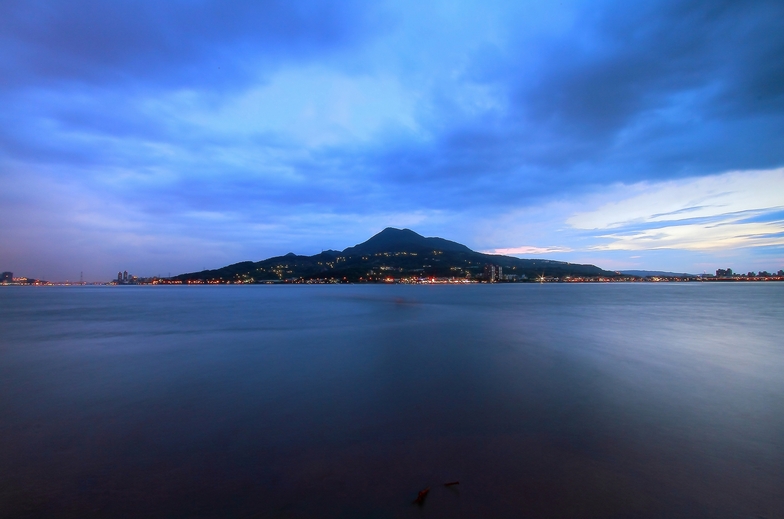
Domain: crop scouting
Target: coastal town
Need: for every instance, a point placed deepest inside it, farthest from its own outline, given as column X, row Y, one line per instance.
column 402, row 256
column 490, row 274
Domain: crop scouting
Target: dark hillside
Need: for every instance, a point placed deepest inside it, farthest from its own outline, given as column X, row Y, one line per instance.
column 396, row 254
column 403, row 240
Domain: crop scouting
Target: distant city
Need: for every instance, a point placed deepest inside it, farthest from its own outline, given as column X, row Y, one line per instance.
column 490, row 274
column 404, row 256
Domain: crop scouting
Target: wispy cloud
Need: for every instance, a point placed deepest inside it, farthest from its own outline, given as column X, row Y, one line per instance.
column 698, row 237
column 736, row 209
column 528, row 250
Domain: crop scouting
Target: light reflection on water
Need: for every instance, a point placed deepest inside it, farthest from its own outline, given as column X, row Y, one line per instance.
column 345, row 401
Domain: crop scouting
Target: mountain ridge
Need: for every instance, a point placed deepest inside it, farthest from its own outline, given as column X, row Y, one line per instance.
column 392, row 254
column 403, row 240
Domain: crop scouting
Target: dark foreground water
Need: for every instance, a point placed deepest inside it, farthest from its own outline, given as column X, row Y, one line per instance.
column 544, row 401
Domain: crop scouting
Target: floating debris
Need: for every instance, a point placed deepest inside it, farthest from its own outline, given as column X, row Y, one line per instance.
column 451, row 483
column 421, row 497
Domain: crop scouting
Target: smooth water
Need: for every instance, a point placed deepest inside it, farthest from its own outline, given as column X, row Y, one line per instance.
column 543, row 401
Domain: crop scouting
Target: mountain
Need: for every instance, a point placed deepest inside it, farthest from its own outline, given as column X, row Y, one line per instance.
column 392, row 253
column 404, row 240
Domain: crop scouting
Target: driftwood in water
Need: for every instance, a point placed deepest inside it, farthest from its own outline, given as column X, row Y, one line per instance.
column 421, row 497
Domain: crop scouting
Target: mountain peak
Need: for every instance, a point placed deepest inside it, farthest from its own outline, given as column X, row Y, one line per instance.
column 392, row 239
column 380, row 257
column 393, row 232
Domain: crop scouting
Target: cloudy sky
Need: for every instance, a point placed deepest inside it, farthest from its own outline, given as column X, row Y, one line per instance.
column 164, row 137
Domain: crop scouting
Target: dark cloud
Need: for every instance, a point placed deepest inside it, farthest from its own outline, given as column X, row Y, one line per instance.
column 631, row 92
column 682, row 67
column 170, row 43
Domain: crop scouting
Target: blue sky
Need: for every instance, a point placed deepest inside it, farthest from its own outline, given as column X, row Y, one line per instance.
column 164, row 137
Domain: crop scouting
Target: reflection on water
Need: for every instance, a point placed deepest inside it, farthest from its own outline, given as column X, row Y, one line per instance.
column 346, row 401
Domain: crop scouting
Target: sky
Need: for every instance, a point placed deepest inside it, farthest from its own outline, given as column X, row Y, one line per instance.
column 168, row 137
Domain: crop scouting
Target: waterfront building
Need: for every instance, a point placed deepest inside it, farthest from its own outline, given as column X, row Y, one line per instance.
column 493, row 273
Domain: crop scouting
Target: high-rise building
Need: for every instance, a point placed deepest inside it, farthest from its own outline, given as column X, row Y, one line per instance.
column 119, row 277
column 7, row 277
column 493, row 273
column 125, row 276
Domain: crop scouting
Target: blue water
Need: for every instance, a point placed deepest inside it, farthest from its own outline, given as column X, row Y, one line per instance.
column 611, row 400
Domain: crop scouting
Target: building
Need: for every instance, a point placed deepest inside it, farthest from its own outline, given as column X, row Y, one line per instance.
column 119, row 277
column 493, row 273
column 7, row 277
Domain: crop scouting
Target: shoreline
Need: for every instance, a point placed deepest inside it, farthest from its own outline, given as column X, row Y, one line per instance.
column 162, row 282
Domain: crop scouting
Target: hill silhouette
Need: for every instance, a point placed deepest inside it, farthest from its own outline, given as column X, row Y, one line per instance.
column 404, row 240
column 392, row 253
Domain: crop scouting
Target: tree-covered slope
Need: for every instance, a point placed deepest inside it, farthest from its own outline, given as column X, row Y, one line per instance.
column 392, row 253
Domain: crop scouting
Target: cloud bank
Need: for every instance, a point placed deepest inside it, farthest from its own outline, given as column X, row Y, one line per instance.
column 738, row 209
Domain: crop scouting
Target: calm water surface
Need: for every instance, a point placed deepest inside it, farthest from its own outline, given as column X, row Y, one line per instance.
column 544, row 401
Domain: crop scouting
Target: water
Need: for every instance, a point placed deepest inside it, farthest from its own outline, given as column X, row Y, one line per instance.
column 655, row 400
